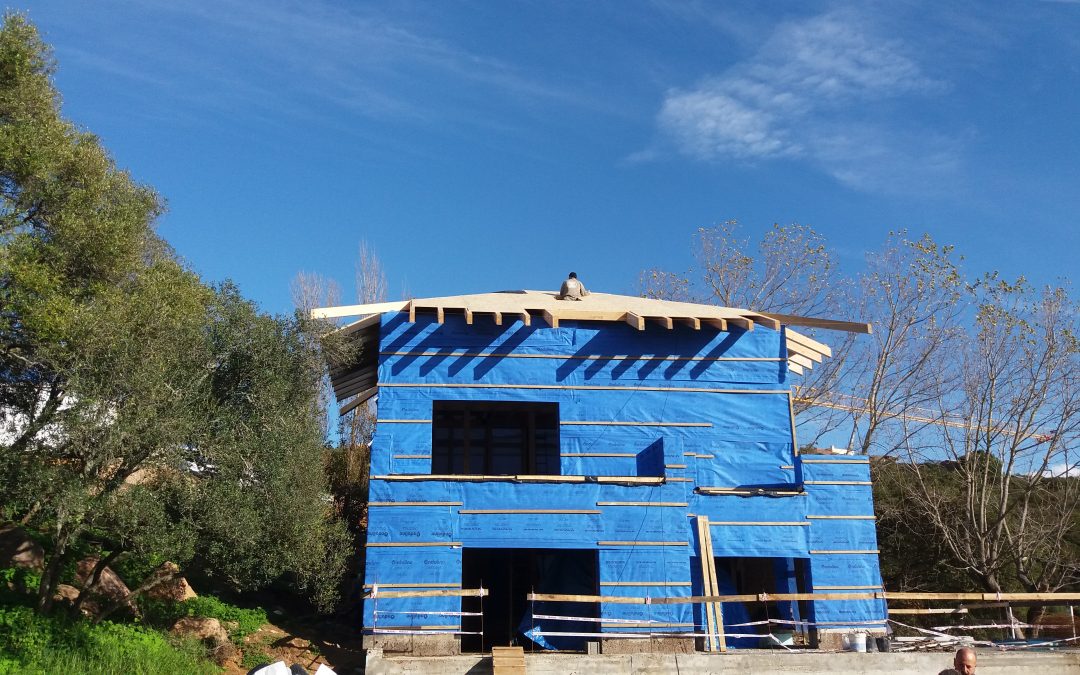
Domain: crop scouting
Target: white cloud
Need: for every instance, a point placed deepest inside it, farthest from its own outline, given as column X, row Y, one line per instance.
column 811, row 91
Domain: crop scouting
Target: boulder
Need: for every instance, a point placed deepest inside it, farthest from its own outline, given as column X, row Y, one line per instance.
column 109, row 586
column 208, row 631
column 176, row 589
column 19, row 550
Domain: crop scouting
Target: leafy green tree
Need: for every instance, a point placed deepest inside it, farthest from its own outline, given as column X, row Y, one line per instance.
column 147, row 415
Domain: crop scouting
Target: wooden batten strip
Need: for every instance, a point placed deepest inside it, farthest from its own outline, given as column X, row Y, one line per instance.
column 848, row 588
column 795, row 368
column 362, row 397
column 415, row 503
column 813, row 460
column 766, row 321
column 807, row 342
column 579, row 387
column 806, row 352
column 653, row 624
column 452, row 584
column 598, row 454
column 407, row 544
column 384, row 421
column 569, row 423
column 800, row 360
column 646, row 583
column 583, row 357
column 642, row 543
column 661, row 504
column 674, row 466
column 444, row 593
column 841, row 517
column 874, row 551
column 800, row 523
column 828, row 324
column 635, row 480
column 540, row 511
column 412, row 456
column 837, row 482
column 473, row 478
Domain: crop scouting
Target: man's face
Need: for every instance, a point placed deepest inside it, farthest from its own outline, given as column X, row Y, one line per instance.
column 964, row 663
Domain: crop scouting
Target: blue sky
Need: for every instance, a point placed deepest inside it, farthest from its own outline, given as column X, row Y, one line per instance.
column 488, row 145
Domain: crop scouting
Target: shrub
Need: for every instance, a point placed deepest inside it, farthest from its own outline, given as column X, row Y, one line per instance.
column 243, row 621
column 31, row 644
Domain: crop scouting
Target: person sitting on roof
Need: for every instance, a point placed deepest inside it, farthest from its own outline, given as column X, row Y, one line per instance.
column 572, row 289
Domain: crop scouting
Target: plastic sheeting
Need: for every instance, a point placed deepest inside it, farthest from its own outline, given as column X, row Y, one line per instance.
column 612, row 378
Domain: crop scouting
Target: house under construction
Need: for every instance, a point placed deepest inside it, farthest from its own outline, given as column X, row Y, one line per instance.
column 620, row 453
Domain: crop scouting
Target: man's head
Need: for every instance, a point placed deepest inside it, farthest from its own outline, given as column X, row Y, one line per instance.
column 964, row 661
column 573, row 275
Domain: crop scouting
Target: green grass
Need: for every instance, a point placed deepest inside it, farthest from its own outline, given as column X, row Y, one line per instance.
column 31, row 644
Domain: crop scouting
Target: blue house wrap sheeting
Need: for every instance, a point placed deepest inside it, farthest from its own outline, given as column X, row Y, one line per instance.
column 700, row 411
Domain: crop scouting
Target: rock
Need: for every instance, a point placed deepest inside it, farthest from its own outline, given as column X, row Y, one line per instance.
column 19, row 550
column 109, row 586
column 174, row 590
column 66, row 592
column 208, row 631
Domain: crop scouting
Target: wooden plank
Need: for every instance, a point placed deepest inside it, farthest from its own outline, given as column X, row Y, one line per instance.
column 664, row 321
column 927, row 610
column 674, row 466
column 468, row 316
column 545, row 511
column 841, row 517
column 472, row 478
column 646, row 583
column 872, row 587
column 635, row 320
column 859, row 552
column 855, row 460
column 799, row 359
column 357, row 310
column 498, row 318
column 985, row 597
column 408, row 544
column 795, row 368
column 411, row 456
column 828, row 324
column 551, row 319
column 661, row 504
column 697, row 599
column 442, row 593
column 412, row 311
column 440, row 314
column 691, row 321
column 598, row 454
column 718, row 324
column 641, row 543
column 765, row 320
column 415, row 503
column 360, row 398
column 718, row 609
column 583, row 357
column 632, row 480
column 344, row 381
column 796, row 348
column 525, row 318
column 710, row 621
column 741, row 322
column 587, row 423
column 768, row 523
column 419, row 584
column 809, row 343
column 837, row 482
column 579, row 387
column 362, row 324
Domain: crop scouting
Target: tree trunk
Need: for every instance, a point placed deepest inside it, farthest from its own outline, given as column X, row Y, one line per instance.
column 51, row 577
column 156, row 579
column 95, row 577
column 1035, row 614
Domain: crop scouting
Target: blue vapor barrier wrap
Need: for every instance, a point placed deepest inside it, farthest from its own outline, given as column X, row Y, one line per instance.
column 845, row 569
column 645, row 571
column 747, row 464
column 427, row 568
column 835, row 470
column 840, row 500
column 576, row 353
column 759, row 540
column 411, row 524
column 843, row 535
column 756, row 508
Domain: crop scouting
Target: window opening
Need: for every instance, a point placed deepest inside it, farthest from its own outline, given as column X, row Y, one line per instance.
column 495, row 438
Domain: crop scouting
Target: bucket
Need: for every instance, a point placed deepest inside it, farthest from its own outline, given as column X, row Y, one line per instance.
column 854, row 642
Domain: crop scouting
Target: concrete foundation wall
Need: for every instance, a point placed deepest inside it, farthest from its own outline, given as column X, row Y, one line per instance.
column 818, row 663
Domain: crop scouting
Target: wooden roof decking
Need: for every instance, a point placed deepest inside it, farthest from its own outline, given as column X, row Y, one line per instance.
column 359, row 379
